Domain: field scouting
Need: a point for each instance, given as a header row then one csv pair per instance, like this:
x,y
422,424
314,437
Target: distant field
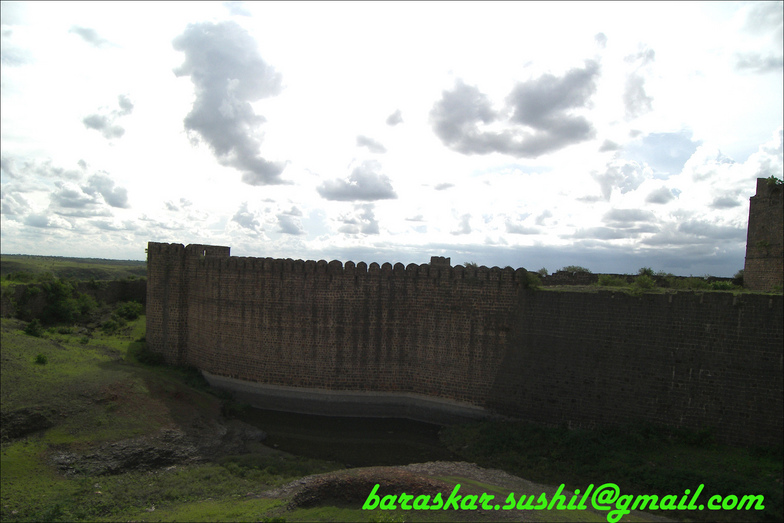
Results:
x,y
72,268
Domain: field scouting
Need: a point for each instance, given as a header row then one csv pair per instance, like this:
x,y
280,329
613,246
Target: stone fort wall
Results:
x,y
764,268
474,336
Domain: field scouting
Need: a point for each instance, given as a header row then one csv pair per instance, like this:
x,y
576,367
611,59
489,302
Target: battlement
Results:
x,y
391,339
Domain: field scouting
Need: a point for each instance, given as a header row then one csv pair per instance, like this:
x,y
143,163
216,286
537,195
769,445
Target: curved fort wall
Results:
x,y
472,337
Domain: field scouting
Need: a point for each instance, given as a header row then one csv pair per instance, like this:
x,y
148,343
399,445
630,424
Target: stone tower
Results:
x,y
764,244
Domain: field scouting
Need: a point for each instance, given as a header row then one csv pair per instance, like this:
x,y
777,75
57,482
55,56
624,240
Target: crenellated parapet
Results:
x,y
390,339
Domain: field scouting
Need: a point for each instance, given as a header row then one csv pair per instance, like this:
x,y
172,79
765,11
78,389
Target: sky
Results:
x,y
612,136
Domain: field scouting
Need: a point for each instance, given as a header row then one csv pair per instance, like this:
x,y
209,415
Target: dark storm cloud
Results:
x,y
661,195
228,73
541,118
90,36
372,145
362,220
619,174
289,225
395,118
365,183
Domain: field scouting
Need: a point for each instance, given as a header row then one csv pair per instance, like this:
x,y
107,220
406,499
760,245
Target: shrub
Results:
x,y
645,271
34,329
608,280
576,269
722,286
129,310
41,359
542,272
142,354
532,280
644,281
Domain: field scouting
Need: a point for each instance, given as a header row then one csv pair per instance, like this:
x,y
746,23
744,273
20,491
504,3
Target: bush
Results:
x,y
41,359
645,271
34,329
542,272
129,310
608,280
722,286
575,269
142,354
532,280
644,282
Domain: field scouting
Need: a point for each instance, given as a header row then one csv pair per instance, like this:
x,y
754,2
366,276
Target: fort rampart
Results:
x,y
473,339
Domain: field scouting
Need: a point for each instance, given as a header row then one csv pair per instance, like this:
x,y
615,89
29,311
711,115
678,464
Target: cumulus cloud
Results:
x,y
705,229
103,185
372,145
172,206
90,36
516,228
764,20
14,205
361,221
661,195
365,183
247,219
620,174
608,145
228,73
443,186
47,221
635,99
395,118
236,8
626,218
665,153
600,39
105,123
464,227
724,202
541,120
10,54
25,169
287,224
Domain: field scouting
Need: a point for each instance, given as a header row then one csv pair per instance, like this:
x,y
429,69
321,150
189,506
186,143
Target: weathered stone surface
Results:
x,y
475,336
